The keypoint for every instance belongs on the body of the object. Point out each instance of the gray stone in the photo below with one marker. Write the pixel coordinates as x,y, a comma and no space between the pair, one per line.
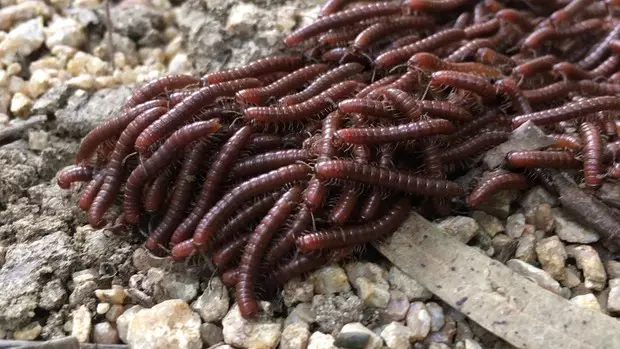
53,295
100,246
295,336
52,99
22,40
434,345
463,228
211,334
552,256
587,301
25,271
105,333
137,21
491,225
28,333
213,304
357,336
526,248
408,285
541,217
82,324
437,316
334,311
297,291
539,276
64,31
123,321
613,269
171,285
536,196
525,137
397,336
590,263
115,311
329,280
170,324
472,344
242,18
446,334
82,292
320,340
515,225
613,300
302,313
263,332
500,203
369,280
609,193
570,231
398,306
572,277
419,320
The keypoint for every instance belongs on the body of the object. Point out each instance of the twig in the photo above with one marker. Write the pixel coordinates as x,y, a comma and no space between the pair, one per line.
108,24
16,130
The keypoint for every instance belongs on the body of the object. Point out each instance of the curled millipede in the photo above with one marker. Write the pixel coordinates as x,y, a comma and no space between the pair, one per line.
157,87
592,154
74,174
497,182
476,84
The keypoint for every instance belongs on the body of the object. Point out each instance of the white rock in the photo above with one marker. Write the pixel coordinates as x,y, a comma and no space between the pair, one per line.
369,280
490,224
22,40
83,63
174,46
102,308
297,291
539,276
263,332
353,331
613,301
21,104
572,277
28,333
526,248
587,301
590,263
515,224
472,344
213,304
570,231
329,280
398,306
169,285
613,268
123,321
418,320
5,100
320,340
242,18
82,324
105,333
211,334
10,15
397,336
39,83
170,324
536,196
552,256
295,336
114,295
437,316
179,64
461,227
407,285
541,217
64,31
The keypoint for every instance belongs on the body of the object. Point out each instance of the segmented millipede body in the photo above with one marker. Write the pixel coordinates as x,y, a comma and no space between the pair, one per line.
156,193
403,103
606,68
379,30
180,198
550,92
249,266
470,48
366,107
445,110
542,159
220,166
341,237
230,277
288,83
342,19
370,206
323,83
344,206
497,182
268,161
614,46
157,87
225,254
508,87
566,141
490,57
257,68
568,111
190,107
593,88
264,142
333,6
286,241
469,82
91,191
598,52
463,20
482,29
341,37
375,175
592,154
111,128
612,151
324,102
408,82
376,85
400,55
301,264
398,133
266,182
519,18
402,42
471,147
74,174
534,66
569,11
437,5
433,168
428,61
315,194
148,168
115,172
571,71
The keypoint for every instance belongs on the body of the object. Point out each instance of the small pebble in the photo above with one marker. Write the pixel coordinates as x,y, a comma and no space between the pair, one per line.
172,285
370,282
515,225
552,256
613,300
437,316
526,248
398,306
115,295
329,280
211,334
419,320
407,285
25,10
123,321
541,217
490,224
461,227
572,277
590,263
320,340
103,308
22,40
397,336
297,291
242,18
446,334
587,301
52,295
472,344
180,64
295,336
263,332
28,333
81,324
20,104
567,229
213,304
115,311
83,81
357,336
105,333
613,269
64,31
302,313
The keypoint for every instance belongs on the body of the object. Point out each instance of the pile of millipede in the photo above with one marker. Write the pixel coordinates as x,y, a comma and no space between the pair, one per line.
295,160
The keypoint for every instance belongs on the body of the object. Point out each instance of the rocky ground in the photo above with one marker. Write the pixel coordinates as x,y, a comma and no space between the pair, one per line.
59,277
